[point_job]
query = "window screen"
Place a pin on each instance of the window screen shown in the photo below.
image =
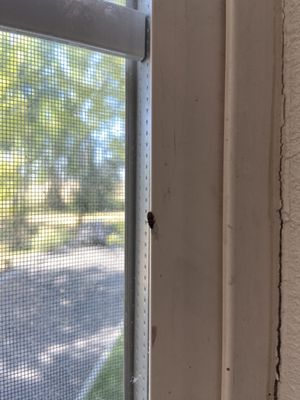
(62, 171)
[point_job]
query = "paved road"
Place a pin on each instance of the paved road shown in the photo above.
(58, 315)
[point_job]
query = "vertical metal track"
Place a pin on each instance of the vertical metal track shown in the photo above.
(140, 378)
(130, 223)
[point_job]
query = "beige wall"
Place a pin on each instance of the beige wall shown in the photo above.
(290, 332)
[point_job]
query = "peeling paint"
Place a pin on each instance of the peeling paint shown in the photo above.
(280, 212)
(288, 349)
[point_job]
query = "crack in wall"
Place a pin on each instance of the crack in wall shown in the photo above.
(281, 209)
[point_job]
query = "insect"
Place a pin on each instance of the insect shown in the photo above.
(151, 219)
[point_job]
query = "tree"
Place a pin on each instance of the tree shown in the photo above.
(62, 112)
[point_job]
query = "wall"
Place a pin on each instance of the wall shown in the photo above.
(290, 330)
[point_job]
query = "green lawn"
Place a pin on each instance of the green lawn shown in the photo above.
(52, 230)
(109, 384)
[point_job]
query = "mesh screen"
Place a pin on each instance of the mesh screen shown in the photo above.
(62, 162)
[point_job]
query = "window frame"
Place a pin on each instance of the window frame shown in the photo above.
(210, 351)
(97, 24)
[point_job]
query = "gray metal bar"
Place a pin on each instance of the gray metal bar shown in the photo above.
(130, 231)
(130, 224)
(92, 23)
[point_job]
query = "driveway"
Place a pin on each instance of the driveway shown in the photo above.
(59, 313)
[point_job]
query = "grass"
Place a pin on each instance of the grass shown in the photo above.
(117, 238)
(55, 218)
(109, 383)
(50, 237)
(57, 229)
(51, 230)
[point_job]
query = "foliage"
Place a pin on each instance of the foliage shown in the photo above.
(10, 179)
(62, 117)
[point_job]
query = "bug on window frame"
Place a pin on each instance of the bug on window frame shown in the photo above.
(151, 219)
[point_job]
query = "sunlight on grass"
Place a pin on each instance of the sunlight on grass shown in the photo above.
(109, 384)
(50, 237)
(73, 218)
(49, 231)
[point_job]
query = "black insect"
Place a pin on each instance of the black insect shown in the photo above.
(151, 219)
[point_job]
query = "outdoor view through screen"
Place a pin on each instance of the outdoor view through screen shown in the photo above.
(62, 172)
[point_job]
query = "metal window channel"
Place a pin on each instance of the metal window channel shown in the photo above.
(98, 24)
